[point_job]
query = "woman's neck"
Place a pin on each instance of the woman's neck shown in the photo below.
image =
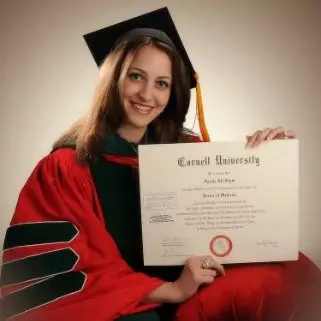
(131, 133)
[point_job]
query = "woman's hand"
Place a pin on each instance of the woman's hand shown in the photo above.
(259, 136)
(198, 270)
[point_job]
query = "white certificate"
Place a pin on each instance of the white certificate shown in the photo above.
(235, 203)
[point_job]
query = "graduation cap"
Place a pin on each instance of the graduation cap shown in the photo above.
(157, 24)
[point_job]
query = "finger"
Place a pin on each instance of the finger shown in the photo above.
(208, 280)
(289, 134)
(262, 136)
(247, 138)
(213, 264)
(275, 132)
(252, 139)
(208, 272)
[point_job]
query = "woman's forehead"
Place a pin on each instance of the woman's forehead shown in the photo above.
(153, 59)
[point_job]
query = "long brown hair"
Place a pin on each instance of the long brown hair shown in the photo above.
(107, 113)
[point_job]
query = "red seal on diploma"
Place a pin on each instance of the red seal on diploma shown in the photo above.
(221, 246)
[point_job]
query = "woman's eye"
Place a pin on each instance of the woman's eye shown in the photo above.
(135, 76)
(163, 84)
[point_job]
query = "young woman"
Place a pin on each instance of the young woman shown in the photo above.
(73, 250)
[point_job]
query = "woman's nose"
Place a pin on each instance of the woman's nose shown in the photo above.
(145, 92)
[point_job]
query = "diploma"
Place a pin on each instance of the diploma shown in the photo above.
(235, 203)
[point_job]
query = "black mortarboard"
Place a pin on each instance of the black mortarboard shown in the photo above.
(157, 24)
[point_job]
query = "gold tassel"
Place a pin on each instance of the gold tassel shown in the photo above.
(200, 111)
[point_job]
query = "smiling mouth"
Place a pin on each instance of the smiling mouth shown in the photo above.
(142, 109)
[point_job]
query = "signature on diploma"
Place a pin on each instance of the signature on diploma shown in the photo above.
(268, 243)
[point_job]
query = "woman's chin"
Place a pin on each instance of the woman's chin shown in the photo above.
(139, 122)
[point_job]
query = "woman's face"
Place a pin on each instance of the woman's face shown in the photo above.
(147, 86)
